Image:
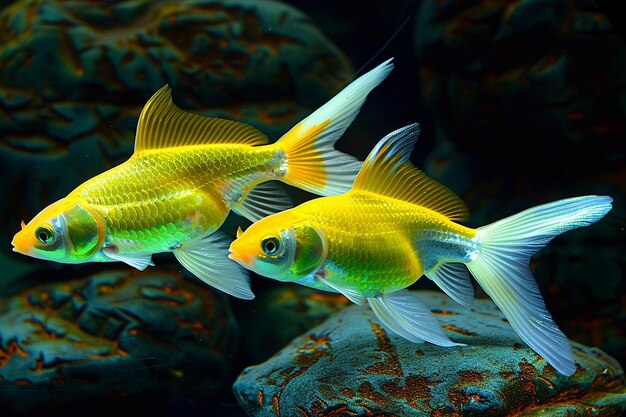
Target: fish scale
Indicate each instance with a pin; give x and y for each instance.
(374, 242)
(158, 200)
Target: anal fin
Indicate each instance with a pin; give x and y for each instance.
(406, 315)
(454, 280)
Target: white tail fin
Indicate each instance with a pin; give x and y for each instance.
(313, 163)
(501, 269)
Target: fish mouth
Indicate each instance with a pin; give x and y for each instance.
(17, 247)
(241, 260)
(237, 256)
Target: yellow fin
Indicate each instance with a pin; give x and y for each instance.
(313, 163)
(163, 125)
(388, 171)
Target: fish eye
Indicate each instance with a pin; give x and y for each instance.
(44, 234)
(270, 245)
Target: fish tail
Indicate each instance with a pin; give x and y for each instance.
(312, 163)
(502, 269)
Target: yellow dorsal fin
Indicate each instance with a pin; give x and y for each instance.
(388, 171)
(163, 125)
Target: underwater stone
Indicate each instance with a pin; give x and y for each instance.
(62, 63)
(113, 334)
(351, 365)
(283, 313)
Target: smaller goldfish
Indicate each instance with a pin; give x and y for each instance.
(396, 224)
(186, 174)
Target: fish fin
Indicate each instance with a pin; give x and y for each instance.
(501, 269)
(349, 293)
(264, 199)
(312, 282)
(139, 262)
(163, 125)
(313, 163)
(207, 259)
(406, 315)
(388, 171)
(454, 280)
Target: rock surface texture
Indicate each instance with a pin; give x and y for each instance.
(351, 365)
(113, 334)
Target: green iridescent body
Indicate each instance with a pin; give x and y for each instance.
(160, 199)
(377, 244)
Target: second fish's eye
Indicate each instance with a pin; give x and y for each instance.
(44, 234)
(270, 245)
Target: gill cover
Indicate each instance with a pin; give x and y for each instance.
(85, 232)
(291, 253)
(310, 249)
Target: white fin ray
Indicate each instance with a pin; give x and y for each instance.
(501, 269)
(454, 280)
(405, 314)
(264, 199)
(139, 262)
(388, 171)
(208, 260)
(313, 163)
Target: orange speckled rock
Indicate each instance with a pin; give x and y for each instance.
(351, 365)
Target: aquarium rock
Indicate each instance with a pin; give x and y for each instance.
(114, 334)
(281, 314)
(351, 365)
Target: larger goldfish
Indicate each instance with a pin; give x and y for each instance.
(186, 174)
(395, 225)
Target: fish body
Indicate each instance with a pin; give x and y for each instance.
(378, 244)
(186, 174)
(394, 226)
(161, 199)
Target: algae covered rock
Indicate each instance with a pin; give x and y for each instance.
(113, 334)
(351, 365)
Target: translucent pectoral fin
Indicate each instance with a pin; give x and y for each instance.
(351, 294)
(454, 280)
(208, 260)
(139, 262)
(311, 282)
(405, 314)
(263, 200)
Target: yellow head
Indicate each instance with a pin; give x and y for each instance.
(65, 232)
(280, 246)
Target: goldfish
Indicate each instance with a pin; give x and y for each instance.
(396, 225)
(186, 174)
